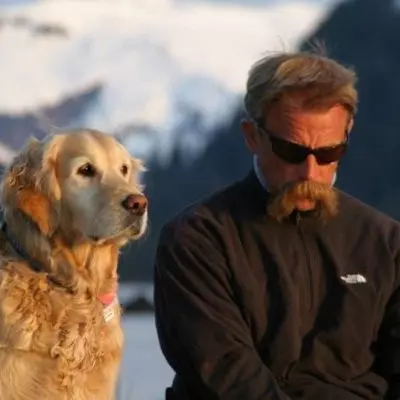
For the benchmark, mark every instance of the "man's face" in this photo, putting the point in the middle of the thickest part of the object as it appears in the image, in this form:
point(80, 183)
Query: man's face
point(313, 129)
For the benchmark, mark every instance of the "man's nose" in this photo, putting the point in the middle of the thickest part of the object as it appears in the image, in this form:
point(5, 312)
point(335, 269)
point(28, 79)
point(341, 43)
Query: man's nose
point(308, 168)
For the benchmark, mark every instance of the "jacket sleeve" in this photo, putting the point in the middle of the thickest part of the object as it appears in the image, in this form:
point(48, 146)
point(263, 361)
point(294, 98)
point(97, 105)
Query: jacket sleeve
point(388, 347)
point(200, 327)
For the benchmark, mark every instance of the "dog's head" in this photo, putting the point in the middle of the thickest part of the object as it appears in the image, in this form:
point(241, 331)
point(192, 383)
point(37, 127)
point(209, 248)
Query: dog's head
point(82, 185)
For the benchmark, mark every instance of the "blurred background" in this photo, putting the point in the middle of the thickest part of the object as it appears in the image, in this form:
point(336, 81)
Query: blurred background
point(166, 77)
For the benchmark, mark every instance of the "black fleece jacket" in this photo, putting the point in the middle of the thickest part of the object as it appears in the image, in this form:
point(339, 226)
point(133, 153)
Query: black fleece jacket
point(251, 309)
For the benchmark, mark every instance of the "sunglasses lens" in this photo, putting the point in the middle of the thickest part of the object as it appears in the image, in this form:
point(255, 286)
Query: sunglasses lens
point(294, 153)
point(290, 152)
point(330, 154)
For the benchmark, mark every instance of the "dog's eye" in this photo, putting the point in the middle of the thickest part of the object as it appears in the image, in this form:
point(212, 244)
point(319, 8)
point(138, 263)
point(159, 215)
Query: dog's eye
point(124, 169)
point(87, 170)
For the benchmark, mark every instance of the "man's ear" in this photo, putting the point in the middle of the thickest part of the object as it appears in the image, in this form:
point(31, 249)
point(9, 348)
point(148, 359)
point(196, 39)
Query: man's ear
point(350, 125)
point(251, 135)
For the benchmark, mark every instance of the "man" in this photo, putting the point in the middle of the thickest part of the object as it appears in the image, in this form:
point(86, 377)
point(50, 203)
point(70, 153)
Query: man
point(280, 286)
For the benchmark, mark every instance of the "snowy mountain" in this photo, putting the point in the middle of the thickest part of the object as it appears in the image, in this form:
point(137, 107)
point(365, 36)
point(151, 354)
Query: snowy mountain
point(6, 154)
point(164, 70)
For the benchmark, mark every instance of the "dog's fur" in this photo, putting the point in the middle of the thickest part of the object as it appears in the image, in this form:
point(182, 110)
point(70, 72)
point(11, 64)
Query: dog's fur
point(55, 343)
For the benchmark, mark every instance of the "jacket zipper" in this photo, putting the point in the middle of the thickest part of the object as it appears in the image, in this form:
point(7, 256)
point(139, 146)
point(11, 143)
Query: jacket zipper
point(309, 292)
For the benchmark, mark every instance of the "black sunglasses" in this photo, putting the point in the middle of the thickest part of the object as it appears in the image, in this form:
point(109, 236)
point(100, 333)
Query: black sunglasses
point(294, 153)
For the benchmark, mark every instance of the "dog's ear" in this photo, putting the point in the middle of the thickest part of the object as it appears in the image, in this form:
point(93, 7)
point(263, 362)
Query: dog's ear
point(30, 185)
point(46, 180)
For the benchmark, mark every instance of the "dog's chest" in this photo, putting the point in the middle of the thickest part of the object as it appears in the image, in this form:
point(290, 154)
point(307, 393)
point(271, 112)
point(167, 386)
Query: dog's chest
point(75, 334)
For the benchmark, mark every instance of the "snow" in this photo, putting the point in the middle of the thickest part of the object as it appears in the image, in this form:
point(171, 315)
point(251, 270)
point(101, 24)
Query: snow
point(6, 154)
point(152, 56)
point(145, 374)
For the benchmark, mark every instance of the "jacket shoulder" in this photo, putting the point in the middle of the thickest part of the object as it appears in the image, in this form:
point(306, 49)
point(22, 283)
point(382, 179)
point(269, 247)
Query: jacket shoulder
point(363, 211)
point(369, 221)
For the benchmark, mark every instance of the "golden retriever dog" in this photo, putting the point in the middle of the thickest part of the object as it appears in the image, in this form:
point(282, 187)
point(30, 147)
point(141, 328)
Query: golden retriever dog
point(69, 203)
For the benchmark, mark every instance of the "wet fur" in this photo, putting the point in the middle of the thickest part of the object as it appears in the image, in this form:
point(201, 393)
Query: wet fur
point(54, 342)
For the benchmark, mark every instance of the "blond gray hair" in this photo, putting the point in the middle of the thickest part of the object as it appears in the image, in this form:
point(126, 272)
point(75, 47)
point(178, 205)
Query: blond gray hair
point(321, 81)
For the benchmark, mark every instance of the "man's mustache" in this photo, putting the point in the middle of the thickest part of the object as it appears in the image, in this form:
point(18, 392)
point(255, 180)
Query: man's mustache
point(284, 201)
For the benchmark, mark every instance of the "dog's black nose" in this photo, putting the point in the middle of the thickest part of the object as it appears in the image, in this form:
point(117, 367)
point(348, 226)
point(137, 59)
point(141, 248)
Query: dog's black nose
point(135, 203)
